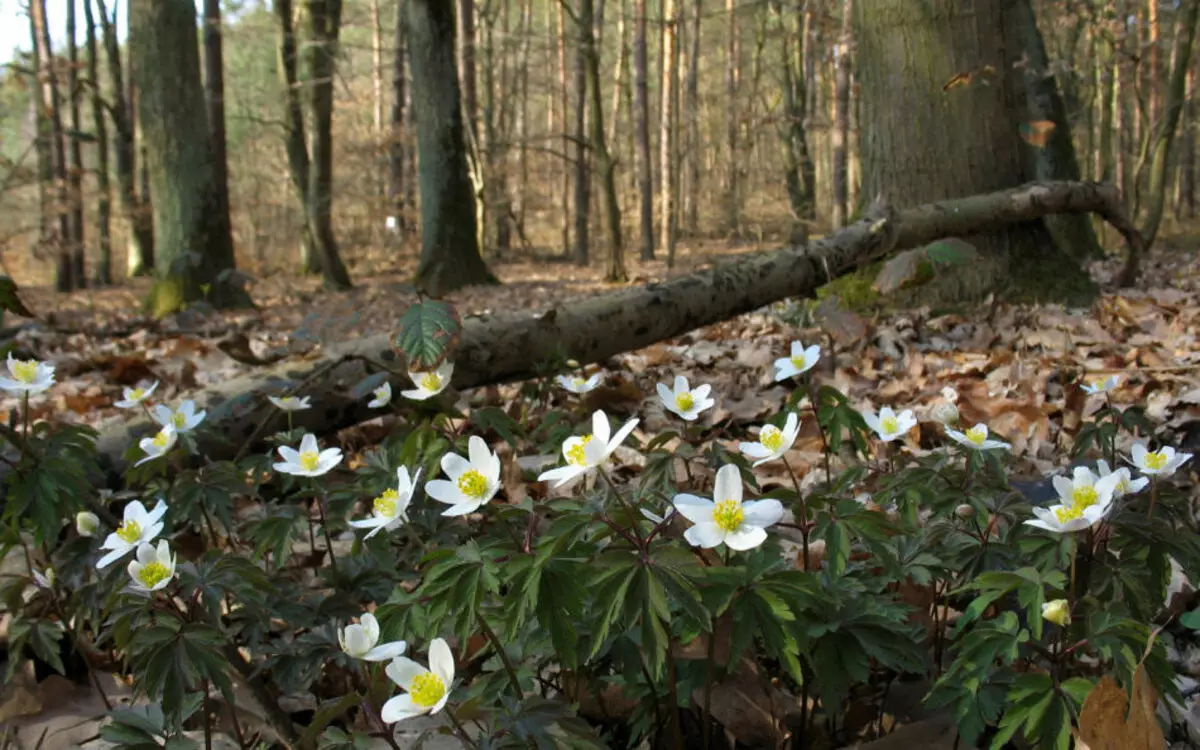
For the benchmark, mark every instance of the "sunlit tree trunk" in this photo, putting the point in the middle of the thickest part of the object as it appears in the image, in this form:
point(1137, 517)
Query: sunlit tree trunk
point(295, 142)
point(521, 126)
point(691, 200)
point(103, 269)
point(668, 137)
point(564, 127)
point(43, 145)
point(63, 269)
point(841, 118)
point(641, 125)
point(1186, 205)
point(733, 67)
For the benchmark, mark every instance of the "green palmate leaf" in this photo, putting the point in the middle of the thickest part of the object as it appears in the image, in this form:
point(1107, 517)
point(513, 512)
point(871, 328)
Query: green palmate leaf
point(427, 332)
point(9, 301)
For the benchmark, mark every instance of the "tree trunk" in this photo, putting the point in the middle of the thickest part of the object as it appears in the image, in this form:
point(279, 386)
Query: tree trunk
point(103, 269)
point(1187, 157)
point(841, 118)
point(63, 269)
point(466, 65)
point(43, 144)
point(564, 101)
point(449, 251)
point(214, 101)
point(196, 245)
point(395, 141)
point(377, 69)
point(1164, 138)
point(325, 22)
point(138, 213)
point(928, 154)
point(605, 165)
point(667, 139)
point(522, 117)
point(733, 203)
point(295, 142)
point(619, 74)
point(691, 201)
point(582, 203)
point(75, 166)
point(511, 346)
point(641, 125)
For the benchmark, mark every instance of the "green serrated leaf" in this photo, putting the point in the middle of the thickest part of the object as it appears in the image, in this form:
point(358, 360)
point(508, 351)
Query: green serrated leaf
point(427, 332)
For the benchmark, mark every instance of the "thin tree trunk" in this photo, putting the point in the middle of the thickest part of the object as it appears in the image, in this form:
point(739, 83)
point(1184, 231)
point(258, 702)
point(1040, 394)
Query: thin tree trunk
point(605, 165)
point(214, 100)
point(395, 141)
point(522, 116)
point(1106, 71)
point(841, 118)
point(733, 211)
point(466, 64)
point(564, 128)
point(75, 152)
point(792, 121)
point(376, 68)
point(63, 270)
point(641, 125)
point(691, 201)
point(1120, 122)
point(619, 72)
point(43, 144)
point(668, 146)
point(295, 141)
point(583, 178)
point(1153, 109)
point(103, 268)
point(1187, 158)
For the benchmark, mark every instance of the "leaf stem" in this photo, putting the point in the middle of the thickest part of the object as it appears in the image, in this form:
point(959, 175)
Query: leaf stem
point(499, 647)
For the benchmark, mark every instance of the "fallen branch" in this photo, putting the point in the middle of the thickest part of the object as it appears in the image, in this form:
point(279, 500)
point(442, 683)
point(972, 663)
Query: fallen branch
point(506, 347)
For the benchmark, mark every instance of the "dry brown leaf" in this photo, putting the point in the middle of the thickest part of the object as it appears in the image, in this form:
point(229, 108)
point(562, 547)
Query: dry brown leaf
point(749, 707)
point(1103, 724)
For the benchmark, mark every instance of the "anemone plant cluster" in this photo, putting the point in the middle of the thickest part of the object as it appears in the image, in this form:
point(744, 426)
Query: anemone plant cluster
point(541, 554)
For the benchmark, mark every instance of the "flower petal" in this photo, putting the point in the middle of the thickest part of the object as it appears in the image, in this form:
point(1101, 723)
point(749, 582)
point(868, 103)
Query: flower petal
point(441, 661)
point(706, 535)
point(443, 491)
point(745, 538)
point(762, 513)
point(728, 485)
point(399, 708)
point(403, 671)
point(386, 651)
point(693, 508)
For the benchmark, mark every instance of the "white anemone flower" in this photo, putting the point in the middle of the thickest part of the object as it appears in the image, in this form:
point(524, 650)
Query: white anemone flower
point(291, 403)
point(1125, 484)
point(684, 401)
point(383, 396)
point(44, 580)
point(889, 425)
point(1102, 386)
point(1162, 462)
point(159, 445)
point(139, 526)
point(1065, 519)
point(27, 376)
point(473, 480)
point(87, 523)
point(585, 452)
point(429, 384)
point(579, 385)
point(310, 460)
point(154, 567)
point(131, 398)
point(772, 441)
point(726, 519)
point(390, 509)
point(184, 419)
point(426, 690)
point(362, 641)
point(800, 361)
point(976, 438)
point(1084, 489)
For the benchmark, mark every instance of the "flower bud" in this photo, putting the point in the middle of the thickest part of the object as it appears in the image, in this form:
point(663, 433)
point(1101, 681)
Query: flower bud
point(1057, 612)
point(944, 412)
point(966, 511)
point(86, 523)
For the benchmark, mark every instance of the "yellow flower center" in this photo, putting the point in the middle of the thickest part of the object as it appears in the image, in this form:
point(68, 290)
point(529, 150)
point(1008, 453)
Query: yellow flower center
point(153, 574)
point(685, 401)
point(287, 401)
point(161, 440)
point(798, 362)
point(130, 531)
point(179, 419)
point(136, 394)
point(579, 382)
point(771, 438)
point(1084, 497)
point(1156, 460)
point(473, 484)
point(25, 370)
point(309, 460)
point(385, 504)
point(977, 435)
point(728, 515)
point(890, 425)
point(576, 454)
point(427, 689)
point(430, 381)
point(1123, 485)
point(381, 392)
point(1064, 514)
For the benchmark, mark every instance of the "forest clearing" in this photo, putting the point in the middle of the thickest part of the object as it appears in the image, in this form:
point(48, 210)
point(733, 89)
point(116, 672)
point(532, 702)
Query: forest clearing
point(649, 374)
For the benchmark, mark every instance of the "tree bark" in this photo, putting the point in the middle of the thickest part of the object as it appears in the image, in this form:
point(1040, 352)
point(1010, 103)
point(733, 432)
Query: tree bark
point(395, 141)
point(103, 269)
point(1186, 206)
point(841, 118)
point(196, 244)
point(63, 269)
point(214, 104)
point(691, 200)
point(733, 203)
point(606, 167)
point(466, 65)
point(641, 124)
point(513, 346)
point(450, 256)
point(668, 135)
point(75, 224)
point(295, 141)
point(582, 203)
point(43, 143)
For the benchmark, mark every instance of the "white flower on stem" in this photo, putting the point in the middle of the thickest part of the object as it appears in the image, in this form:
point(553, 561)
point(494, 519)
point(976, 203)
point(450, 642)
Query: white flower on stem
point(800, 361)
point(383, 396)
point(1126, 484)
point(139, 526)
point(684, 401)
point(473, 480)
point(154, 567)
point(390, 509)
point(1064, 519)
point(425, 690)
point(585, 452)
point(362, 641)
point(43, 580)
point(27, 376)
point(429, 384)
point(1086, 500)
point(184, 419)
point(772, 441)
point(87, 523)
point(1162, 462)
point(578, 385)
point(976, 438)
point(1057, 611)
point(889, 425)
point(310, 460)
point(131, 398)
point(726, 519)
point(159, 445)
point(291, 403)
point(1102, 386)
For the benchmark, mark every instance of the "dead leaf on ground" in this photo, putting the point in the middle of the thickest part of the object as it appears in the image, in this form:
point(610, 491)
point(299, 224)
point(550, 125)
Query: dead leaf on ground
point(1103, 724)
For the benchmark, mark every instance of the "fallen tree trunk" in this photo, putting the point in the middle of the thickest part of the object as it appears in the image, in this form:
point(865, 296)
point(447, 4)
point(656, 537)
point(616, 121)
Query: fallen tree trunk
point(509, 347)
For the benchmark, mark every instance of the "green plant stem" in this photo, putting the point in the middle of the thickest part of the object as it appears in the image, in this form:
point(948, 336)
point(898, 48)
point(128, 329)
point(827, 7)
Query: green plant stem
point(207, 717)
point(326, 534)
point(706, 716)
point(625, 505)
point(673, 696)
point(25, 417)
point(803, 509)
point(812, 404)
point(1153, 496)
point(499, 647)
point(458, 727)
point(1074, 545)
